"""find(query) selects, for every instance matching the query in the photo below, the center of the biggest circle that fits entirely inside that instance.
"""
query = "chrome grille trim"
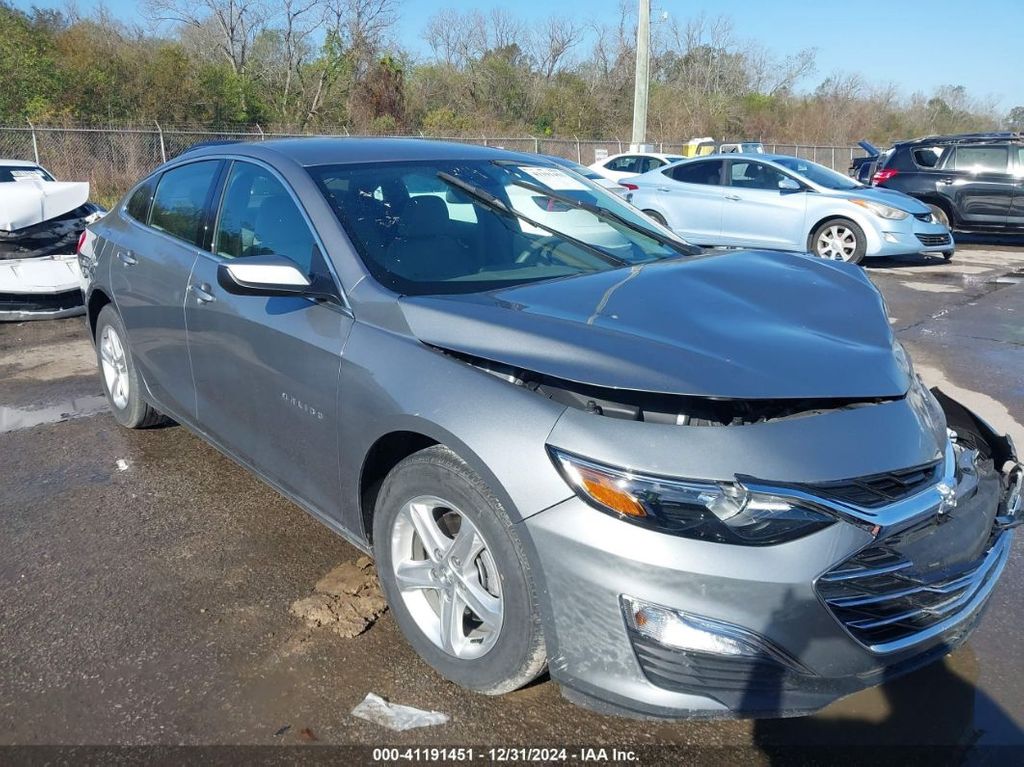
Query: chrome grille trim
(863, 572)
(968, 592)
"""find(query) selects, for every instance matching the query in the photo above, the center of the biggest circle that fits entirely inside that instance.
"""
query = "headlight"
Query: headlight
(899, 351)
(725, 512)
(880, 210)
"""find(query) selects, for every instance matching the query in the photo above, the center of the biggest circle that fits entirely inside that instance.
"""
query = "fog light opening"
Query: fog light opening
(691, 633)
(890, 237)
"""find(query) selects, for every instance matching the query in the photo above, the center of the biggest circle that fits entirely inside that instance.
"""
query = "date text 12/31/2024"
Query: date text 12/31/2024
(505, 754)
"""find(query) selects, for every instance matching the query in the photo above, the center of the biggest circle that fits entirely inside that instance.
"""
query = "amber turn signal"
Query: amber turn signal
(605, 490)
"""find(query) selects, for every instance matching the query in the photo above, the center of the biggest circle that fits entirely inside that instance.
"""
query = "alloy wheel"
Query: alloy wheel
(837, 242)
(115, 367)
(447, 577)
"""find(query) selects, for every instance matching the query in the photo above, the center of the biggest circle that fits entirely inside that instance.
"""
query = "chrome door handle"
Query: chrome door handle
(946, 181)
(733, 197)
(126, 258)
(664, 189)
(203, 294)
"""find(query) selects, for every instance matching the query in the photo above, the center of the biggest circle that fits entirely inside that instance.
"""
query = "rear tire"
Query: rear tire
(653, 214)
(439, 590)
(121, 382)
(838, 239)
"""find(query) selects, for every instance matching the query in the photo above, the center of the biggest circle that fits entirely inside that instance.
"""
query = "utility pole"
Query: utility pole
(643, 66)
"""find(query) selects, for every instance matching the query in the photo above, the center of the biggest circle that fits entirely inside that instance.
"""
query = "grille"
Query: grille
(880, 598)
(878, 490)
(933, 239)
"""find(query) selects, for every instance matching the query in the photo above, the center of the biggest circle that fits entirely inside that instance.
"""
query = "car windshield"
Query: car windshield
(583, 170)
(818, 174)
(23, 173)
(466, 226)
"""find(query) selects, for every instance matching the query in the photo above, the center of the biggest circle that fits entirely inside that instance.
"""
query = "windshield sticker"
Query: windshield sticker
(24, 175)
(553, 178)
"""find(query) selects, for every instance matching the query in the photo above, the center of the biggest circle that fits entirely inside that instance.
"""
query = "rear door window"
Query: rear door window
(626, 164)
(982, 159)
(179, 205)
(708, 173)
(754, 175)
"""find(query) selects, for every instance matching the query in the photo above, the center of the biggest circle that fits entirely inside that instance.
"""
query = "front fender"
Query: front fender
(391, 382)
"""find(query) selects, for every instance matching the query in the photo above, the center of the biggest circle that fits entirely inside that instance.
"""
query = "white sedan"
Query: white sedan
(786, 203)
(41, 220)
(620, 166)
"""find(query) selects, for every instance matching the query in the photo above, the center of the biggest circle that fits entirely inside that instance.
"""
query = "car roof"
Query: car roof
(20, 163)
(324, 150)
(661, 155)
(964, 138)
(740, 156)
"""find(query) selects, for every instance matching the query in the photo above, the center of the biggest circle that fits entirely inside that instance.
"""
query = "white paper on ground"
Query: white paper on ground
(394, 716)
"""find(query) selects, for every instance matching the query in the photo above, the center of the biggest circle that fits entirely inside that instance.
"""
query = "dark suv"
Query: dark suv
(970, 181)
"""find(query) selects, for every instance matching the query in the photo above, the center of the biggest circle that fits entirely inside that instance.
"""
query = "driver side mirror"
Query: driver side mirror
(263, 276)
(789, 185)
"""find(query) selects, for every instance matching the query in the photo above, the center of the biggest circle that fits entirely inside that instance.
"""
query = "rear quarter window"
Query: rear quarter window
(139, 202)
(927, 156)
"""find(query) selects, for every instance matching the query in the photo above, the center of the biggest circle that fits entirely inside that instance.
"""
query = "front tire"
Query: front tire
(121, 381)
(455, 575)
(838, 239)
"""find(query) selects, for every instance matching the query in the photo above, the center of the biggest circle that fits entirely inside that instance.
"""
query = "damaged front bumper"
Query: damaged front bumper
(40, 277)
(46, 287)
(647, 624)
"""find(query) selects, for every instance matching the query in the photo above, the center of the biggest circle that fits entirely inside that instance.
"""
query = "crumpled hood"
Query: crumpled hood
(746, 324)
(891, 197)
(24, 203)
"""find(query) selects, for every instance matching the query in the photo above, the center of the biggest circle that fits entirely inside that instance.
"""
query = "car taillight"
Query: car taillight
(883, 175)
(630, 187)
(81, 242)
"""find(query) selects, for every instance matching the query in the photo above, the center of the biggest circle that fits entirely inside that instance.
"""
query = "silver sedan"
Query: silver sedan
(786, 203)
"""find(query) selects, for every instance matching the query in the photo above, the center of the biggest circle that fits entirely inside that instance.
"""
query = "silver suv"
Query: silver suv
(537, 410)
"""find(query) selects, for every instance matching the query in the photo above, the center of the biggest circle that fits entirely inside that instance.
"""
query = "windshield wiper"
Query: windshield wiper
(496, 204)
(610, 215)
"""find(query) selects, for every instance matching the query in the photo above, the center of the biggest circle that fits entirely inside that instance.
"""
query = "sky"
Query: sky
(916, 46)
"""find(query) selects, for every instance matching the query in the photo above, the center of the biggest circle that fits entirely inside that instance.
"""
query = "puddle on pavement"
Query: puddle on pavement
(14, 418)
(346, 601)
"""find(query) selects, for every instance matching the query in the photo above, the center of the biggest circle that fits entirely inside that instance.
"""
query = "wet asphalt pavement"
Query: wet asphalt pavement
(145, 580)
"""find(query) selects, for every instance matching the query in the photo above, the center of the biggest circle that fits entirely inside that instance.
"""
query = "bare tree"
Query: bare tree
(455, 38)
(505, 30)
(300, 18)
(553, 43)
(356, 30)
(237, 23)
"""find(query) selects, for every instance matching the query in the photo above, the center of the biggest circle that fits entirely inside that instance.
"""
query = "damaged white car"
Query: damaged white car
(41, 220)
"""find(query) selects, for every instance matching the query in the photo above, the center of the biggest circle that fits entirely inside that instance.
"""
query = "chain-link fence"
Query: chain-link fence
(111, 159)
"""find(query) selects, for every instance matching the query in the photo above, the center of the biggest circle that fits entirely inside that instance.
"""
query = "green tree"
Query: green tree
(30, 82)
